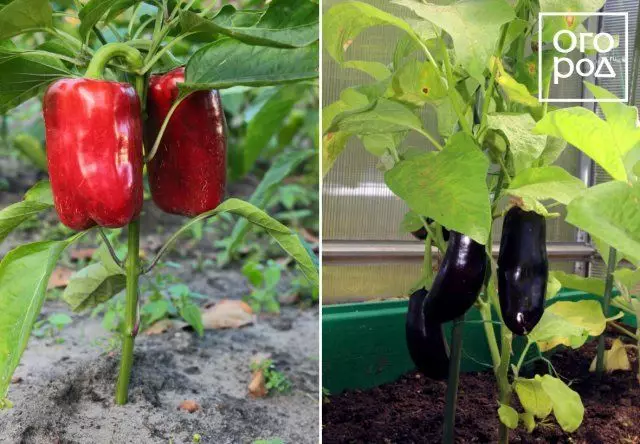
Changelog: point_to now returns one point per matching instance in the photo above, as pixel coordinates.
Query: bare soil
(409, 410)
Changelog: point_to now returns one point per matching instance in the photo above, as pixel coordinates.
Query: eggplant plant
(475, 65)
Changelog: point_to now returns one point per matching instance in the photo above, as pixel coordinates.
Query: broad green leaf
(610, 212)
(93, 285)
(615, 358)
(553, 287)
(568, 22)
(589, 285)
(525, 147)
(287, 239)
(268, 120)
(286, 24)
(411, 222)
(24, 15)
(382, 116)
(332, 146)
(281, 167)
(552, 150)
(380, 144)
(37, 199)
(508, 416)
(533, 398)
(527, 74)
(568, 323)
(350, 100)
(93, 11)
(567, 405)
(606, 142)
(449, 187)
(40, 192)
(474, 26)
(528, 421)
(343, 22)
(418, 83)
(447, 116)
(515, 29)
(24, 274)
(227, 62)
(515, 91)
(23, 75)
(376, 70)
(627, 277)
(543, 183)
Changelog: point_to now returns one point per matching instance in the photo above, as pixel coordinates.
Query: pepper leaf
(24, 15)
(93, 285)
(610, 212)
(569, 22)
(93, 11)
(380, 116)
(449, 187)
(37, 199)
(285, 24)
(227, 62)
(24, 274)
(543, 183)
(474, 26)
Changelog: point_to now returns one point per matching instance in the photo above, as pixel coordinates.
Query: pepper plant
(474, 64)
(103, 64)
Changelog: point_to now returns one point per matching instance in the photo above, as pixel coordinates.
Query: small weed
(264, 280)
(274, 380)
(52, 326)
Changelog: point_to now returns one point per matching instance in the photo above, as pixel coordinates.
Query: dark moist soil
(409, 410)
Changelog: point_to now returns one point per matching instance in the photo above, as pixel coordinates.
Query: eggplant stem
(448, 433)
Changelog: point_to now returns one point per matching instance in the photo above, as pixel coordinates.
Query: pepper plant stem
(131, 312)
(606, 300)
(448, 433)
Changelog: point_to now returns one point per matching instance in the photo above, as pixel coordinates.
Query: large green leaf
(449, 186)
(474, 26)
(23, 75)
(333, 144)
(24, 15)
(381, 116)
(268, 121)
(610, 212)
(228, 62)
(343, 22)
(418, 83)
(567, 405)
(569, 22)
(286, 23)
(589, 285)
(281, 167)
(524, 146)
(287, 239)
(533, 398)
(508, 416)
(568, 323)
(93, 11)
(36, 200)
(93, 285)
(24, 274)
(551, 182)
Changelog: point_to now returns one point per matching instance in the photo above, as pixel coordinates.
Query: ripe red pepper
(187, 174)
(94, 152)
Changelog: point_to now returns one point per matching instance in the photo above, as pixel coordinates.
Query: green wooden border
(363, 344)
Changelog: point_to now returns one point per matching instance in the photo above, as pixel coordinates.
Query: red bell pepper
(94, 145)
(94, 152)
(187, 174)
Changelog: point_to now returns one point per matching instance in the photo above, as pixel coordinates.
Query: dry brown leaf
(82, 253)
(228, 314)
(16, 380)
(189, 405)
(159, 327)
(257, 387)
(60, 277)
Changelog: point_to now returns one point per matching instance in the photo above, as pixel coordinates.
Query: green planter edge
(363, 344)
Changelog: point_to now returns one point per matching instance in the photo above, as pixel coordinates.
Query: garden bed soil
(409, 410)
(64, 392)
